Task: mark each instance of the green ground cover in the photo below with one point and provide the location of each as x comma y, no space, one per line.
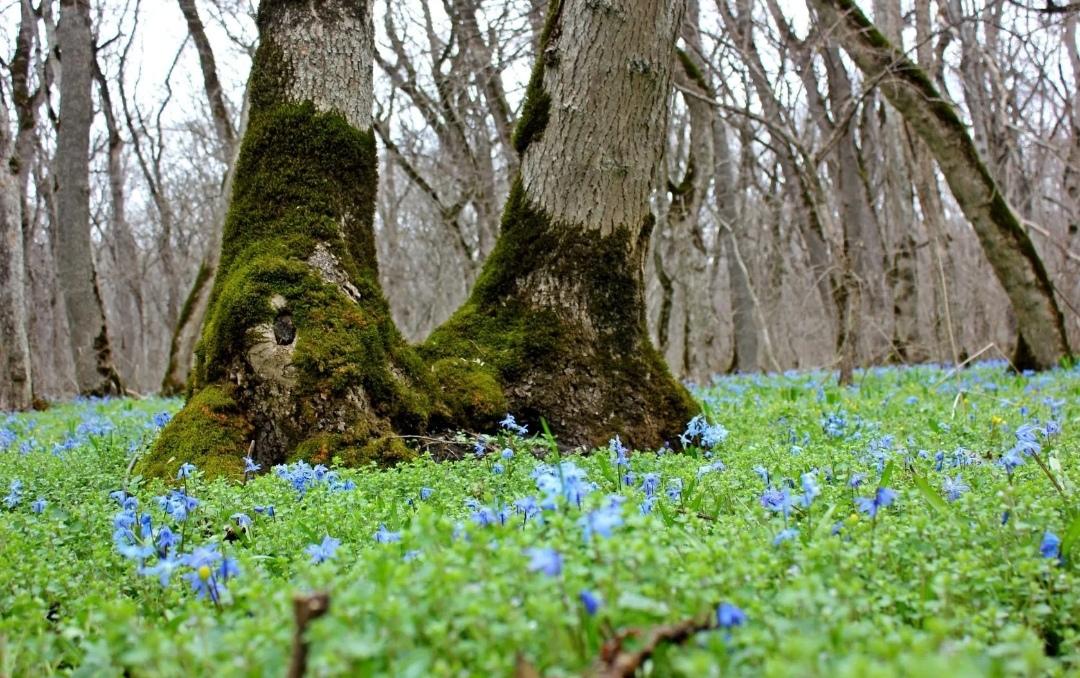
918,522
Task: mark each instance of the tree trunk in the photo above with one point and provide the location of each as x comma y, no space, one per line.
1042,342
94,371
298,351
193,312
15,384
557,316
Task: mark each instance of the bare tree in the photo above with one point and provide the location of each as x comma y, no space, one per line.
86,317
189,324
15,380
1042,341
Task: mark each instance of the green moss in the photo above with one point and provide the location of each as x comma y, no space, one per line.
306,180
542,358
693,72
170,385
211,432
535,110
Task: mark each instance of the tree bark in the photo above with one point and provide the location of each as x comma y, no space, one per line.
1042,342
192,314
16,390
557,316
298,351
94,370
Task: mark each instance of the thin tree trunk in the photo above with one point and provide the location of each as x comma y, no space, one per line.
557,316
898,215
1042,342
94,370
189,325
16,390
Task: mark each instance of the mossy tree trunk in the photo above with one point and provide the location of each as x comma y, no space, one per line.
1042,342
298,351
557,316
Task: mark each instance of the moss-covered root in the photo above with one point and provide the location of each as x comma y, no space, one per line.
298,347
556,324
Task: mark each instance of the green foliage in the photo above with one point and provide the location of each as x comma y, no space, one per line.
912,592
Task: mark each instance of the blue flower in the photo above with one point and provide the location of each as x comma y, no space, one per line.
871,505
250,466
385,536
544,560
618,452
480,446
811,490
834,424
527,506
856,479
267,510
954,487
729,616
14,495
650,483
1005,517
1050,546
497,468
785,535
567,480
162,569
167,539
135,551
160,419
39,505
602,521
325,551
510,424
242,519
777,500
647,506
186,470
507,454
425,493
202,562
228,569
674,489
709,436
592,601
1010,460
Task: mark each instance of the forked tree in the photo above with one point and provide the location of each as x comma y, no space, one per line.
299,353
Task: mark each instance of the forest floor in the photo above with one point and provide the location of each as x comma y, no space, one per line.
921,522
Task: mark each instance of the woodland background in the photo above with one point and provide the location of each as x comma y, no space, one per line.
762,104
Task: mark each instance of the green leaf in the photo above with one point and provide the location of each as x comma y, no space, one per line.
932,498
886,475
1072,537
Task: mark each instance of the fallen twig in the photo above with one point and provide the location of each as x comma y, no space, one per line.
615,662
306,608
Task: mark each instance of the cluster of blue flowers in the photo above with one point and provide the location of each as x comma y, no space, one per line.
160,553
703,434
303,477
1030,438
